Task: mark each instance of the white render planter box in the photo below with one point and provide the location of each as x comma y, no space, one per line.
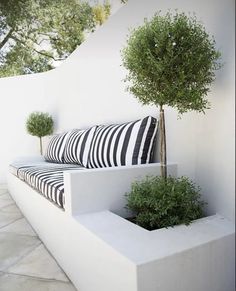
101,251
198,257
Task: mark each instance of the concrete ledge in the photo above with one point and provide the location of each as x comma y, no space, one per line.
142,246
93,190
195,257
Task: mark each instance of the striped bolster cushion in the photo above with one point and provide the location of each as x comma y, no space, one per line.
124,144
78,146
56,147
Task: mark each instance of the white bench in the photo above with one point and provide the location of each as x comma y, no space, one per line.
101,251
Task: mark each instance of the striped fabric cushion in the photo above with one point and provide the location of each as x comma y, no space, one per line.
47,180
78,146
123,144
56,147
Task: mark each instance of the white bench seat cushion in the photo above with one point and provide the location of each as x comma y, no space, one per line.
45,178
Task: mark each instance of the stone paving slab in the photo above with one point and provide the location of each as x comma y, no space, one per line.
10,282
2,191
14,247
20,226
25,263
9,214
39,263
5,200
3,187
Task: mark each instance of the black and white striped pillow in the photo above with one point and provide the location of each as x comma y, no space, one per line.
56,147
78,146
123,144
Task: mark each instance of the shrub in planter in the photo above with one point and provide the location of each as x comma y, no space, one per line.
158,202
39,124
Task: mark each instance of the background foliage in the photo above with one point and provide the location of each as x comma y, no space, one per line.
35,35
158,202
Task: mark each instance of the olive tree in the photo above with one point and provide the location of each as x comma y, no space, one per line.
39,124
171,61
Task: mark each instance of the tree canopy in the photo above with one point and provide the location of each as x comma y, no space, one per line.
171,60
39,124
35,35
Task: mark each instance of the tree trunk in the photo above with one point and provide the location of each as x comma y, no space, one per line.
162,149
41,146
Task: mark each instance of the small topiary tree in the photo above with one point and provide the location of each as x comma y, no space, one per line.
171,61
39,124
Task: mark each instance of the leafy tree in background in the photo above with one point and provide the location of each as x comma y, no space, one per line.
102,12
35,35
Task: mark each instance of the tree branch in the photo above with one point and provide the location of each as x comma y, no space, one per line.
47,55
37,51
6,38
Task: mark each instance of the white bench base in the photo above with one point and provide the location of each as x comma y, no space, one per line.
101,251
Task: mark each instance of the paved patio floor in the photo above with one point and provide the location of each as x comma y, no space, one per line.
25,263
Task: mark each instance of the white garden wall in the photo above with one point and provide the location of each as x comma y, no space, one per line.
19,97
88,89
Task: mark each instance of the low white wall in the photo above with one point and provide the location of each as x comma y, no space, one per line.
88,89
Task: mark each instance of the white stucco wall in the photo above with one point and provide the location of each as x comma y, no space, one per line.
88,89
202,145
19,97
215,144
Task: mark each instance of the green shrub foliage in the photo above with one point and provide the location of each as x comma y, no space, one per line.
171,60
158,202
39,124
